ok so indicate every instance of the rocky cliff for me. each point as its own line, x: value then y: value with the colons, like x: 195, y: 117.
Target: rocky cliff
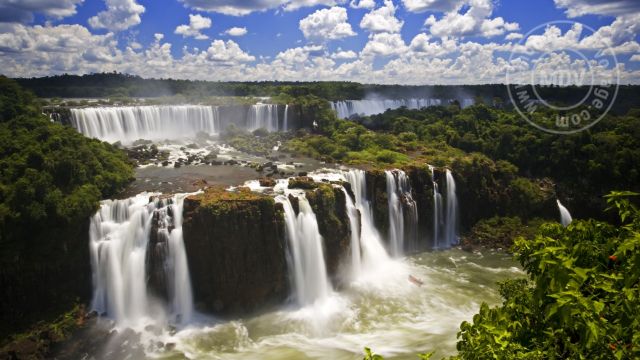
x: 235, y: 244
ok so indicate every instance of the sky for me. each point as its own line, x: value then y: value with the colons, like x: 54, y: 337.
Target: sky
x: 369, y: 41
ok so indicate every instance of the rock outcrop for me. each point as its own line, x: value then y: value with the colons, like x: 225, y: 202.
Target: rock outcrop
x: 236, y: 247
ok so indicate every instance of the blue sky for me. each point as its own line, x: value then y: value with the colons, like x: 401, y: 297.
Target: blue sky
x: 386, y: 41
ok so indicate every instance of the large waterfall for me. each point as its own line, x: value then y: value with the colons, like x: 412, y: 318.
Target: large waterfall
x: 263, y: 116
x: 121, y: 249
x: 347, y: 108
x: 402, y: 210
x: 129, y: 123
x: 565, y: 215
x: 310, y: 278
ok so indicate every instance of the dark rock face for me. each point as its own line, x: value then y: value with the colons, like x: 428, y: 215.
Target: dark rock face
x: 44, y: 276
x: 329, y: 205
x: 236, y: 248
x: 377, y: 194
x: 422, y: 193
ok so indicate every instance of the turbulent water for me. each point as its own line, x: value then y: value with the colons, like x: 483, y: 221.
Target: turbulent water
x: 386, y: 312
x: 403, y: 213
x: 129, y: 123
x: 347, y: 108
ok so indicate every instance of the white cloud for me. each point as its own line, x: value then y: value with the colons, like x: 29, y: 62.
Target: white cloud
x: 419, y: 6
x: 382, y: 19
x: 384, y: 44
x: 120, y: 15
x: 513, y: 36
x: 236, y: 31
x: 23, y: 11
x: 326, y: 24
x: 575, y: 8
x: 475, y: 21
x: 362, y: 4
x: 344, y: 55
x: 228, y: 53
x: 197, y: 23
x: 244, y: 7
x: 635, y: 57
x: 421, y: 45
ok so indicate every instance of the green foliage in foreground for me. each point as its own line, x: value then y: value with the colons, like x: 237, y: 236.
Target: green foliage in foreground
x: 581, y: 300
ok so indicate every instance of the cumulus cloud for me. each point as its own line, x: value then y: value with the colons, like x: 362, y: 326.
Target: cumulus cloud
x: 513, y: 36
x: 236, y: 31
x: 120, y: 15
x: 362, y: 4
x: 244, y: 7
x: 227, y: 53
x: 475, y: 21
x: 382, y: 19
x: 326, y: 24
x: 197, y: 23
x: 384, y: 44
x: 23, y: 11
x: 344, y: 55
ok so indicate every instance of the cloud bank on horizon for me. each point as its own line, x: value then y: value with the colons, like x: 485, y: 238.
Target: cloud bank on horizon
x: 371, y: 41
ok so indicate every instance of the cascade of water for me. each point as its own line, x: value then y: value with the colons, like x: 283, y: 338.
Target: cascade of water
x: 354, y: 225
x: 128, y: 123
x: 263, y: 116
x: 119, y: 238
x: 399, y: 193
x: 347, y: 108
x: 370, y: 242
x: 565, y: 215
x: 311, y: 282
x: 451, y: 235
x: 437, y: 209
x: 285, y: 123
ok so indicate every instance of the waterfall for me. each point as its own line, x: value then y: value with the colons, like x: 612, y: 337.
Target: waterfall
x: 437, y: 210
x: 369, y: 241
x: 310, y: 279
x: 129, y: 123
x: 399, y: 193
x: 119, y: 241
x: 285, y: 125
x: 263, y: 116
x: 565, y: 215
x: 451, y: 223
x: 347, y: 108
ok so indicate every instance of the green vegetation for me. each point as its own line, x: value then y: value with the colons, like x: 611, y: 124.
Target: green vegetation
x: 581, y: 299
x: 500, y: 232
x: 51, y: 181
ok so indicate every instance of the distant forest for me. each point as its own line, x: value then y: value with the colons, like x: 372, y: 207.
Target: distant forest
x: 105, y: 85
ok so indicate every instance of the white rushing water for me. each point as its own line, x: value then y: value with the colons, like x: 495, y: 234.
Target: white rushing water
x: 119, y: 242
x: 451, y: 224
x: 370, y: 249
x: 347, y: 108
x: 285, y: 122
x: 263, y: 116
x: 311, y: 282
x: 129, y: 123
x: 402, y: 210
x: 565, y: 215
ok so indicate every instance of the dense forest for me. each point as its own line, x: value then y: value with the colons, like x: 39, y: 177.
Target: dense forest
x: 51, y: 180
x: 123, y: 85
